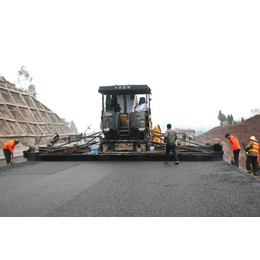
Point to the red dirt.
(242, 131)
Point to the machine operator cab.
(126, 112)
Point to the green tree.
(25, 82)
(73, 127)
(65, 122)
(32, 90)
(221, 117)
(242, 119)
(24, 78)
(230, 119)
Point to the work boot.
(166, 162)
(176, 162)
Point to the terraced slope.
(25, 118)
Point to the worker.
(142, 105)
(8, 148)
(170, 138)
(235, 147)
(55, 139)
(184, 137)
(252, 150)
(108, 102)
(114, 104)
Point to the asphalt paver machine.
(125, 117)
(126, 133)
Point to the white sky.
(198, 57)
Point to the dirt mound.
(242, 131)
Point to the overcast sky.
(198, 57)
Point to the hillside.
(242, 131)
(25, 118)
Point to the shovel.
(12, 160)
(244, 149)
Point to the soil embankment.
(242, 131)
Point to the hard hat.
(253, 138)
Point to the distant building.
(188, 132)
(184, 135)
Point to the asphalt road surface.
(125, 189)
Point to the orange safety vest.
(255, 148)
(234, 143)
(9, 146)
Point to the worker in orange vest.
(8, 148)
(235, 147)
(252, 150)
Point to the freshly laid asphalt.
(126, 189)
